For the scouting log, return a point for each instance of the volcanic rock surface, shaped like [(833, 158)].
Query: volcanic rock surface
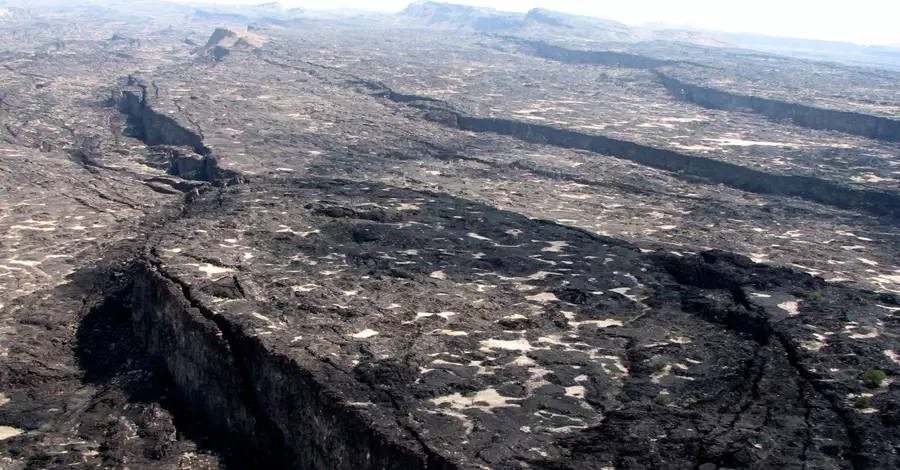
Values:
[(326, 249)]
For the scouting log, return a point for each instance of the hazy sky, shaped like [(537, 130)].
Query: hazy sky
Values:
[(860, 21)]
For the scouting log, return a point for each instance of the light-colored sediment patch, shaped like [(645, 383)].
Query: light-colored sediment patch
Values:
[(868, 261), (596, 323), (580, 197), (490, 397), (286, 229), (509, 345), (453, 333), (438, 275), (211, 269), (305, 288), (478, 237), (816, 345), (3, 399), (870, 178), (7, 431), (889, 353), (555, 247), (623, 291), (792, 307), (367, 333), (542, 297), (444, 315), (748, 143), (872, 333)]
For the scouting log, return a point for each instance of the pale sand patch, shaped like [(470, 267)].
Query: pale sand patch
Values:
[(438, 275)]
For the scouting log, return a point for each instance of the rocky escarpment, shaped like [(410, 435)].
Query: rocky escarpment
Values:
[(591, 57), (739, 177), (335, 359), (719, 172), (865, 125), (150, 126), (854, 123)]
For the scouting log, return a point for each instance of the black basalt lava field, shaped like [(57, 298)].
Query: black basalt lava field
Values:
[(448, 238)]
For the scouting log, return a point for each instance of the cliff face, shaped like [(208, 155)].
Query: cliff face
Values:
[(275, 412), (152, 127), (865, 125), (811, 188)]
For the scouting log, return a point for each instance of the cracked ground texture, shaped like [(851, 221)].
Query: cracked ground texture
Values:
[(293, 252)]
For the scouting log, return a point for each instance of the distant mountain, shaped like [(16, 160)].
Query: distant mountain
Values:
[(846, 52), (463, 17), (539, 22)]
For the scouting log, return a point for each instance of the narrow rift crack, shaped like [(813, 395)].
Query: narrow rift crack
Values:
[(228, 333), (856, 444)]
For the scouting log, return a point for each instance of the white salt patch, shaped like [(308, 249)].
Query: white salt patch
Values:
[(514, 232), (438, 275), (367, 333), (477, 236), (3, 399), (894, 356), (579, 197), (576, 391), (868, 261), (407, 207), (668, 227)]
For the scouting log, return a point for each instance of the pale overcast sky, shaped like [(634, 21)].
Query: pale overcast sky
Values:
[(860, 21)]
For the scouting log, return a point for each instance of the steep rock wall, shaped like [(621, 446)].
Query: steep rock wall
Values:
[(865, 125)]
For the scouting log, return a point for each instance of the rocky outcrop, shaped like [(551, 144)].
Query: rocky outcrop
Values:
[(865, 125)]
